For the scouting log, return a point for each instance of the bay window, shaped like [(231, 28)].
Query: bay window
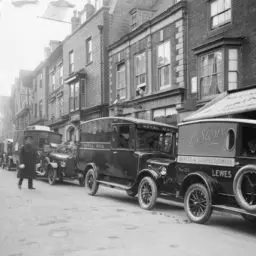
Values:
[(215, 72), (121, 81), (164, 65)]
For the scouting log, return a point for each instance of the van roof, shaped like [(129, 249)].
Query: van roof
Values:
[(223, 120), (134, 120)]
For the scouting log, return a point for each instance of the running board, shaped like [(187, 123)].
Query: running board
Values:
[(233, 210), (113, 185)]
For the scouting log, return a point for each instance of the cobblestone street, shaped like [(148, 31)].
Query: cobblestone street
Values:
[(64, 220)]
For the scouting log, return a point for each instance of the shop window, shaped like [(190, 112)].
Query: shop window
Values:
[(220, 13), (164, 65), (165, 115)]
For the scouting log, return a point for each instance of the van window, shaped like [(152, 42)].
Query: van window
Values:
[(122, 137)]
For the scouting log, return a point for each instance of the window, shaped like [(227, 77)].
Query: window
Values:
[(213, 71), (74, 96), (89, 50), (140, 71), (71, 62), (165, 115), (40, 109), (121, 81), (134, 21), (232, 69), (164, 63), (83, 17), (35, 110), (61, 74), (122, 137), (61, 106), (98, 4), (211, 68), (83, 93), (53, 81), (41, 80), (220, 13)]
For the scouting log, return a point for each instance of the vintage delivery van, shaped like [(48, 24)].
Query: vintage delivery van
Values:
[(216, 167), (129, 154)]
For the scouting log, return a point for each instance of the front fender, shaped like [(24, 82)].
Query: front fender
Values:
[(148, 172), (199, 177)]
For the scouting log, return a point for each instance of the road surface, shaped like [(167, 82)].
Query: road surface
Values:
[(62, 220)]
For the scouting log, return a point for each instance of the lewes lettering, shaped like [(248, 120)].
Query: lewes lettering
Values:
[(222, 174)]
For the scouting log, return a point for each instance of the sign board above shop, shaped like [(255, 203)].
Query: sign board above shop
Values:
[(233, 103)]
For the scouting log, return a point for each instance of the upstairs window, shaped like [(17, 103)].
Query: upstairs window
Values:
[(134, 21), (61, 74), (41, 80), (89, 50), (71, 62), (40, 109), (220, 13), (164, 65), (140, 72), (121, 81)]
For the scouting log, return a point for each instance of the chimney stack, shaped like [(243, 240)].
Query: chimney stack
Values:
[(54, 44), (89, 9), (75, 21), (47, 52)]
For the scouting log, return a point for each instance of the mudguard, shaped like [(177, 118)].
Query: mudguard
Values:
[(148, 172), (93, 166), (208, 181)]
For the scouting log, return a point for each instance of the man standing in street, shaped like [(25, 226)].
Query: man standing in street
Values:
[(27, 165)]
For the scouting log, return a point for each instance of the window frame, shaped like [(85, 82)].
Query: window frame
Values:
[(89, 58), (139, 75), (118, 89), (71, 65), (227, 22), (162, 66)]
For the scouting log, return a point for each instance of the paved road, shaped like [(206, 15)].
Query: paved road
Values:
[(63, 220)]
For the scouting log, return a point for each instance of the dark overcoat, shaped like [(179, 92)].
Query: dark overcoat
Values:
[(28, 157)]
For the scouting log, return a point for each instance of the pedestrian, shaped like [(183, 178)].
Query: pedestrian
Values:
[(28, 158)]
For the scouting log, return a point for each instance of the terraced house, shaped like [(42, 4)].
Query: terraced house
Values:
[(147, 71)]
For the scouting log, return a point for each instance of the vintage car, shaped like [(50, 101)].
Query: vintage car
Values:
[(129, 154), (216, 167), (60, 164), (42, 137)]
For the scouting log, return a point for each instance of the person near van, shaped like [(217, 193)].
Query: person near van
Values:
[(27, 165)]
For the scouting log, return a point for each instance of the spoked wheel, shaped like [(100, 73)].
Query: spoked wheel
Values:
[(91, 183), (198, 203), (244, 187), (147, 193), (52, 175)]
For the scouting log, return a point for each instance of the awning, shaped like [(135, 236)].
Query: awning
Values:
[(227, 104)]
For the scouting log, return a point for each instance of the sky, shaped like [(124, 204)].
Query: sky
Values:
[(23, 37)]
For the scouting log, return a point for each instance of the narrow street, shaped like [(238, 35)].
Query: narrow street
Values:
[(63, 220)]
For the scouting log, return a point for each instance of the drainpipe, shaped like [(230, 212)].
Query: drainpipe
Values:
[(102, 78)]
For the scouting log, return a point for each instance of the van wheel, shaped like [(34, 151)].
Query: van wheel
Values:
[(52, 175), (198, 203), (249, 218), (244, 187), (147, 193), (91, 183)]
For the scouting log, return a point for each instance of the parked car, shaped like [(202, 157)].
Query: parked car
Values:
[(60, 164), (129, 154), (42, 138), (216, 167)]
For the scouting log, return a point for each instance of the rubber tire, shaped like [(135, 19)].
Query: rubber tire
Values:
[(237, 188), (131, 193), (50, 168), (95, 185), (154, 189), (208, 213)]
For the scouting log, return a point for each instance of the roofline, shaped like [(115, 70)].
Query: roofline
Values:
[(214, 120), (174, 8), (133, 120)]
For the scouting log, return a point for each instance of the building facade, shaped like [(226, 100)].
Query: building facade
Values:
[(84, 67), (147, 66), (221, 52)]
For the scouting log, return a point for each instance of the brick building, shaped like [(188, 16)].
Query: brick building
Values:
[(147, 64), (221, 52), (55, 95), (6, 117), (85, 72)]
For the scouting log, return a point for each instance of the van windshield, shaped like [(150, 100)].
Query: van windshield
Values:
[(151, 140)]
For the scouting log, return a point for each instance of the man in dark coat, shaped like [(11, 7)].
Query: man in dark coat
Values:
[(28, 158)]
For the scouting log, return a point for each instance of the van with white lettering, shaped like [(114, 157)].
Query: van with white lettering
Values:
[(216, 167)]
